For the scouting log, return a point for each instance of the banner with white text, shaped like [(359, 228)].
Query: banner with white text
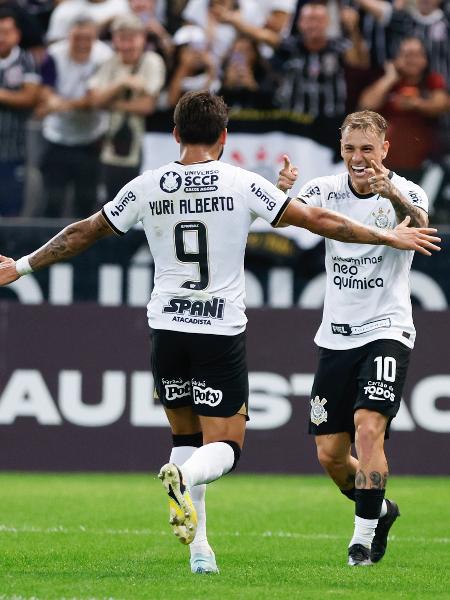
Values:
[(76, 392)]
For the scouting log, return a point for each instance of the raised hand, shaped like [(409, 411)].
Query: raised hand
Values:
[(349, 19), (379, 181), (420, 239), (287, 175), (8, 272)]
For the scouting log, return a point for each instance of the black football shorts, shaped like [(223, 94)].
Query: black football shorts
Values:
[(204, 371), (371, 376)]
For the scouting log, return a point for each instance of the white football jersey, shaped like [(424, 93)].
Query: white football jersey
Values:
[(196, 219), (367, 291)]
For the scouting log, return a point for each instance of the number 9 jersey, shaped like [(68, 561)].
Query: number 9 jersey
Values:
[(196, 218)]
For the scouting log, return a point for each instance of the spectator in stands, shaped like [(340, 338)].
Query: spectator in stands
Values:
[(374, 16), (312, 66), (194, 67), (219, 36), (423, 19), (128, 85), (19, 90), (265, 22), (247, 78), (39, 10), (411, 98), (72, 130), (31, 32), (158, 38), (173, 14), (100, 11)]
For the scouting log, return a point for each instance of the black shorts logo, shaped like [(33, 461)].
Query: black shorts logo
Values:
[(206, 395), (176, 389)]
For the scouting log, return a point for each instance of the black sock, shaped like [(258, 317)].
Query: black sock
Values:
[(368, 503), (349, 493)]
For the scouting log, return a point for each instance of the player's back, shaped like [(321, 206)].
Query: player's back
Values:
[(196, 218)]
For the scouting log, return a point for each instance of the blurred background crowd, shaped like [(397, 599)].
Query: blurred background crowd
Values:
[(80, 81)]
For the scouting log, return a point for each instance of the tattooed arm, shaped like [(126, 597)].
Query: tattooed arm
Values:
[(338, 227), (403, 208), (72, 240), (381, 184)]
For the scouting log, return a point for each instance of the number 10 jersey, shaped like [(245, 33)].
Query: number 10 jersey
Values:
[(196, 218)]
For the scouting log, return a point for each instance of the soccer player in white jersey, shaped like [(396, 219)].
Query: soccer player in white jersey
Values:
[(196, 213), (367, 331)]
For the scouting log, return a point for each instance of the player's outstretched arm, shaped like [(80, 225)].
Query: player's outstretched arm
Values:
[(338, 227), (72, 240)]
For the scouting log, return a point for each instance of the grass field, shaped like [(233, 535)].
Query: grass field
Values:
[(106, 537)]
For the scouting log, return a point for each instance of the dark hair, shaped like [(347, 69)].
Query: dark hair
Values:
[(200, 117), (8, 13)]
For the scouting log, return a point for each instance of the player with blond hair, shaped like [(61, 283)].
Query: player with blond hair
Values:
[(367, 331)]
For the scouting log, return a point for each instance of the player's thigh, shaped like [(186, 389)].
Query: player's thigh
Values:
[(382, 377), (170, 369), (183, 420), (219, 376), (334, 392)]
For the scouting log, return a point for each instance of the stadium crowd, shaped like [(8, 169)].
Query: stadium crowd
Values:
[(80, 78)]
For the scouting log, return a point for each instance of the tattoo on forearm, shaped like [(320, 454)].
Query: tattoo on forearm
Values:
[(404, 209), (376, 480), (360, 480), (70, 241), (57, 247), (346, 233)]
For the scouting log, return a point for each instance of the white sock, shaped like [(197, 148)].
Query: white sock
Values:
[(179, 455), (208, 463), (200, 542), (364, 531), (383, 509)]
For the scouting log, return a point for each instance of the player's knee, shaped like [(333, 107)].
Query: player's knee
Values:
[(369, 434), (236, 450)]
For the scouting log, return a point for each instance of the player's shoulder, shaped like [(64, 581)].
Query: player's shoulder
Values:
[(167, 178), (399, 180), (411, 191), (324, 184), (235, 176)]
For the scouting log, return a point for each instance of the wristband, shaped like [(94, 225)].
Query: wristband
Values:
[(23, 266)]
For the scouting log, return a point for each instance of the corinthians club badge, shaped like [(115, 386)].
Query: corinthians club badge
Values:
[(381, 218), (318, 413)]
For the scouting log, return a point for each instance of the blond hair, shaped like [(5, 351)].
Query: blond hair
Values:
[(365, 119)]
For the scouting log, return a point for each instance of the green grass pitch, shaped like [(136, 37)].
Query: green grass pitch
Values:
[(106, 537)]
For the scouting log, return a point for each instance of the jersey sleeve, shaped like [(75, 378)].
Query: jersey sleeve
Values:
[(264, 199), (414, 194), (127, 208), (311, 193)]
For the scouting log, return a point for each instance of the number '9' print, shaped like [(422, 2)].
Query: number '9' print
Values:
[(199, 257)]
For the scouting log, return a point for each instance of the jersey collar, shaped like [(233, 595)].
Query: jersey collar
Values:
[(357, 194), (200, 162)]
